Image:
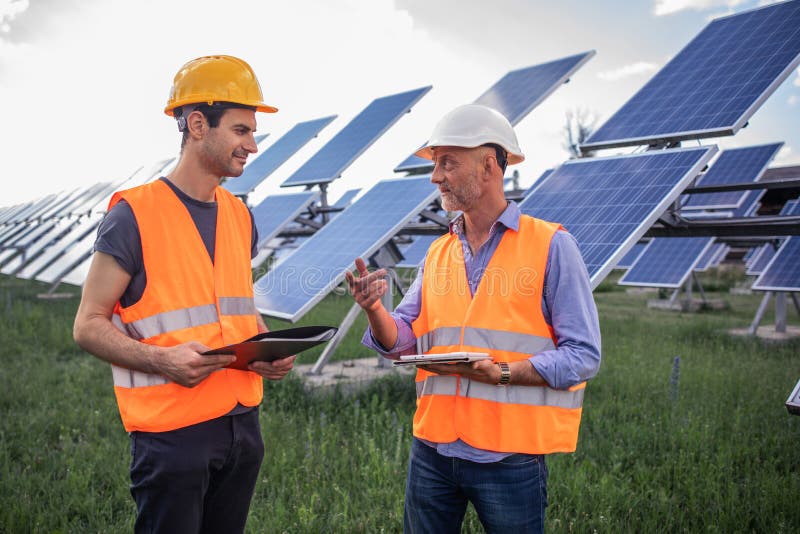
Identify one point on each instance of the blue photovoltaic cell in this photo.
(352, 140)
(709, 257)
(414, 253)
(715, 84)
(783, 272)
(517, 93)
(276, 155)
(292, 287)
(275, 211)
(733, 166)
(667, 262)
(632, 255)
(55, 251)
(609, 203)
(347, 198)
(767, 251)
(762, 259)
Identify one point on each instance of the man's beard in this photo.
(462, 197)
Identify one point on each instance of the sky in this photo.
(84, 82)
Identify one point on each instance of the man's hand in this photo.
(186, 365)
(274, 370)
(480, 371)
(367, 288)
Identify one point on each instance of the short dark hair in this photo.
(212, 112)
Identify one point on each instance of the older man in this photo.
(503, 283)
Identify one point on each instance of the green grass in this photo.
(713, 451)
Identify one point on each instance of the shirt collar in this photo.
(509, 219)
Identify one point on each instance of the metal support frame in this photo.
(385, 258)
(780, 310)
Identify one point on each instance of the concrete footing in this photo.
(768, 333)
(348, 376)
(686, 305)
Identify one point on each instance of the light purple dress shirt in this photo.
(567, 306)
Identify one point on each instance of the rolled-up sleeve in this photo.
(569, 307)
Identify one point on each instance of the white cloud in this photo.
(797, 78)
(668, 7)
(784, 156)
(9, 9)
(793, 100)
(626, 71)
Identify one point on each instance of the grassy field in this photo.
(704, 447)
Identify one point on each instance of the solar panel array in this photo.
(667, 262)
(609, 203)
(292, 287)
(352, 140)
(783, 272)
(517, 93)
(715, 84)
(414, 253)
(275, 211)
(733, 166)
(276, 155)
(632, 255)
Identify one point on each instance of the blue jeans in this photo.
(509, 495)
(199, 478)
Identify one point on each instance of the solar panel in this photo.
(414, 253)
(609, 203)
(517, 93)
(710, 256)
(352, 140)
(347, 198)
(667, 262)
(292, 287)
(272, 214)
(69, 258)
(54, 252)
(276, 155)
(714, 85)
(21, 246)
(733, 166)
(761, 260)
(782, 271)
(632, 255)
(61, 227)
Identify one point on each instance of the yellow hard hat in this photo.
(212, 79)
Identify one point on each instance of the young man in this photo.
(503, 283)
(171, 279)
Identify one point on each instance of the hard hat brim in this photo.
(260, 106)
(426, 152)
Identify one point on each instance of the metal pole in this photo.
(347, 322)
(760, 313)
(780, 312)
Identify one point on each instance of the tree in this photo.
(579, 126)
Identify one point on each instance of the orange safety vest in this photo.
(187, 298)
(503, 318)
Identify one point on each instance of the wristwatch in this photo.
(505, 374)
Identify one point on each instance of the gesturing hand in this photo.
(367, 288)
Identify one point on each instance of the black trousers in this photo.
(199, 478)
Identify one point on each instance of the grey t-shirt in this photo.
(118, 236)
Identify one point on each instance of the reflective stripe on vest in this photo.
(484, 337)
(528, 395)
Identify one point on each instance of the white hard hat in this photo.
(474, 125)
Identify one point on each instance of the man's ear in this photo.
(196, 124)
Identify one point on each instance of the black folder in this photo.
(277, 344)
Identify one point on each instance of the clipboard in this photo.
(447, 357)
(270, 346)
